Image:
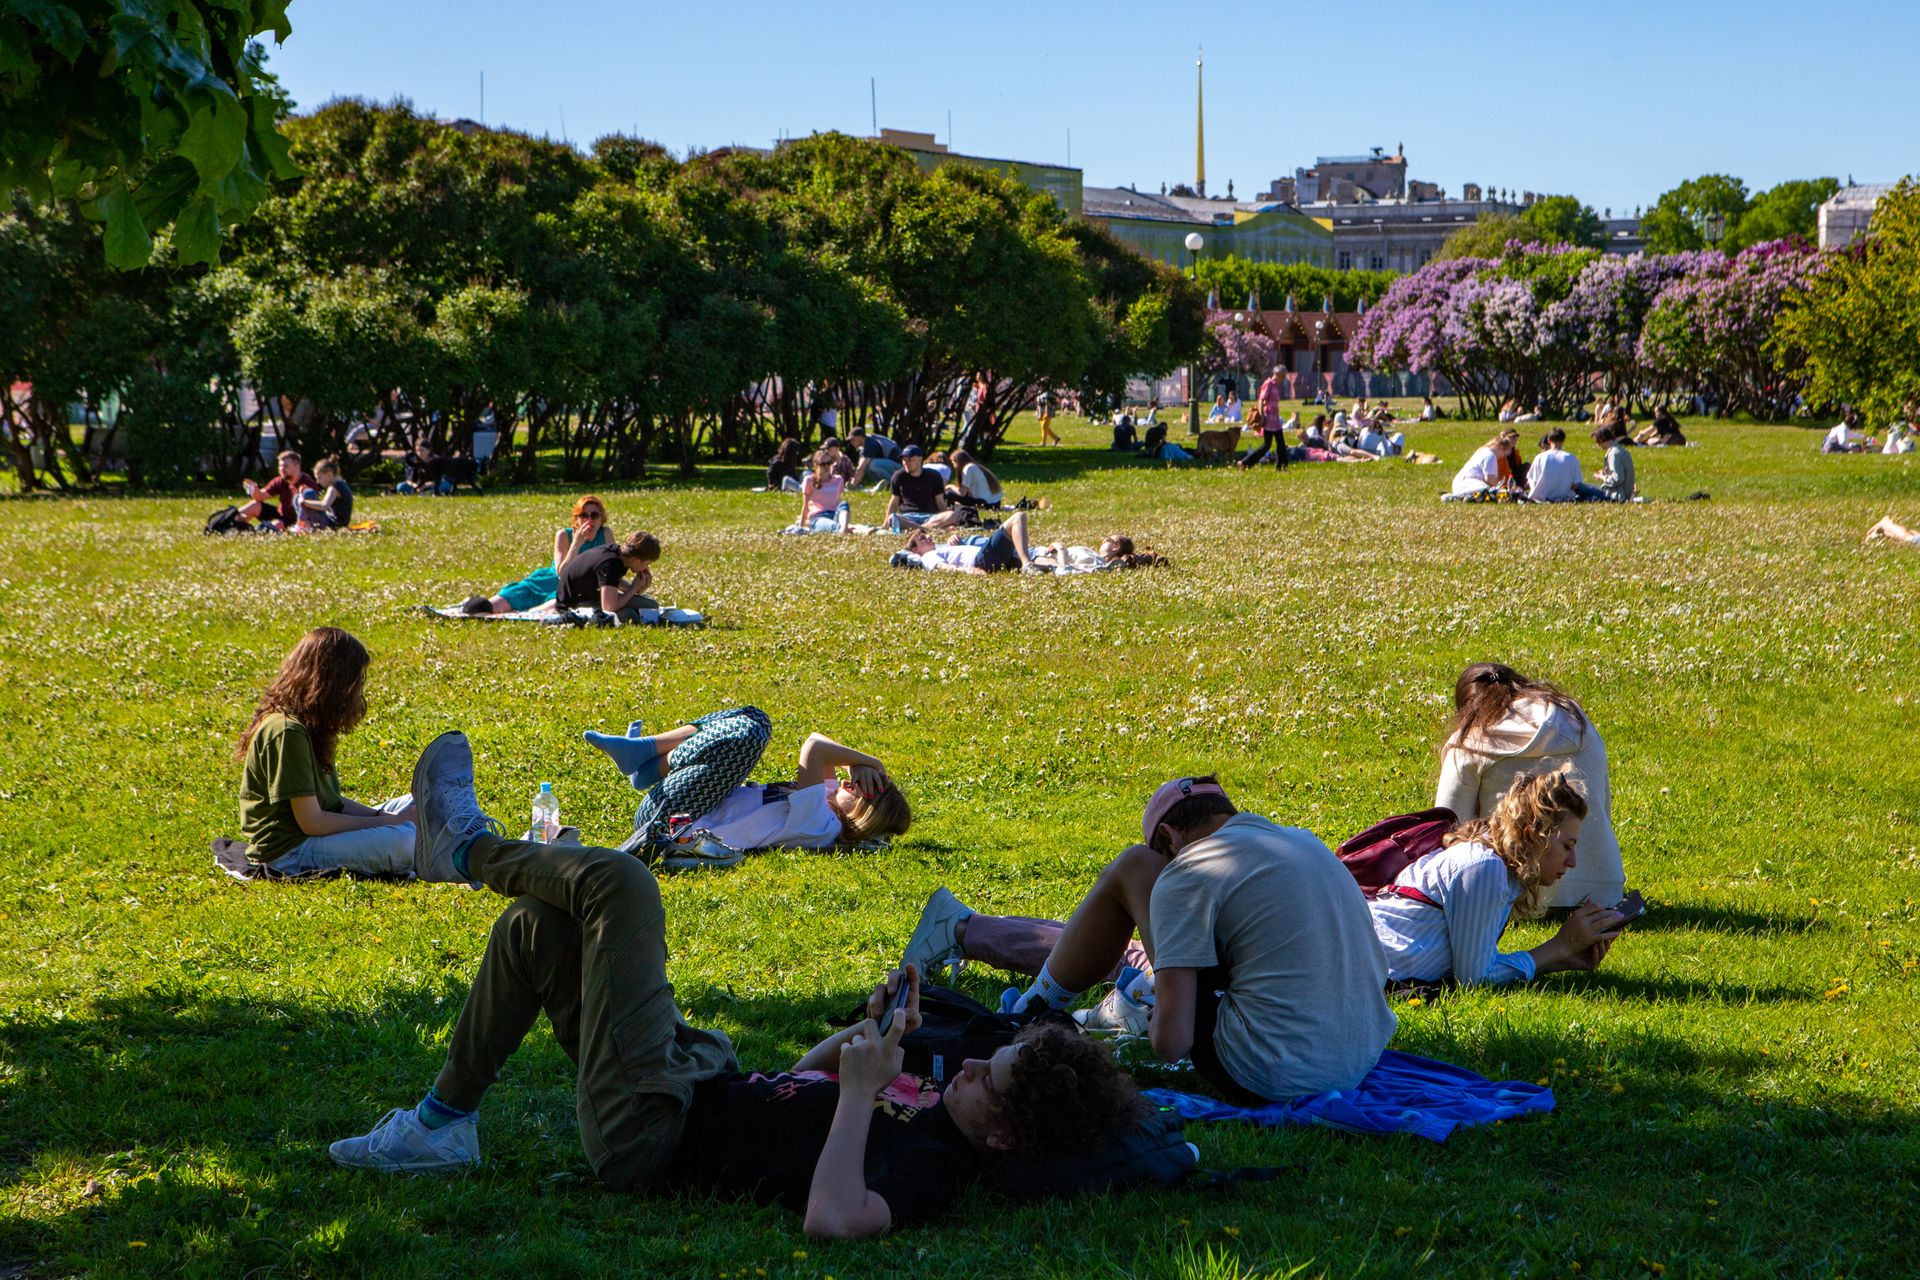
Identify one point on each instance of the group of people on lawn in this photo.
(1252, 949)
(296, 502)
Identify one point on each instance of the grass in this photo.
(1738, 1086)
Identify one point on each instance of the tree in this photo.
(1713, 330)
(1233, 280)
(1489, 236)
(1564, 220)
(1856, 330)
(1790, 209)
(153, 113)
(1678, 220)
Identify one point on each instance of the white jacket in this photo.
(1537, 736)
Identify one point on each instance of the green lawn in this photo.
(1738, 1087)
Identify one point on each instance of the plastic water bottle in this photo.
(546, 814)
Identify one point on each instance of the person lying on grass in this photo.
(293, 815)
(1115, 552)
(597, 579)
(695, 781)
(1265, 968)
(587, 531)
(1002, 551)
(1893, 530)
(841, 1136)
(1443, 915)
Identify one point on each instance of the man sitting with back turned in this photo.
(663, 1105)
(1266, 970)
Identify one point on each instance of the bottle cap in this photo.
(546, 786)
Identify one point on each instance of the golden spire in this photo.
(1200, 124)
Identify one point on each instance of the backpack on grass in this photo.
(1378, 855)
(226, 520)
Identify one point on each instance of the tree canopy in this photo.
(151, 114)
(1488, 237)
(1564, 220)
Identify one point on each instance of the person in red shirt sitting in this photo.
(276, 503)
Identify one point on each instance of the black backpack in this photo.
(226, 520)
(953, 1028)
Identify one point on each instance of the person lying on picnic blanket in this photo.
(841, 1136)
(700, 810)
(588, 530)
(293, 815)
(1265, 967)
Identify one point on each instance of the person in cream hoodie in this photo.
(1506, 725)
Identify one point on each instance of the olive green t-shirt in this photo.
(280, 765)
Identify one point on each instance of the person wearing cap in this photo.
(879, 456)
(1267, 971)
(919, 496)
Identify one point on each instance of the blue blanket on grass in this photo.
(1402, 1094)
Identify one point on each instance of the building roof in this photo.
(1865, 194)
(1124, 202)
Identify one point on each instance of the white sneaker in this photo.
(1117, 1011)
(401, 1144)
(935, 945)
(699, 850)
(446, 812)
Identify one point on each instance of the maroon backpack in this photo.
(1380, 853)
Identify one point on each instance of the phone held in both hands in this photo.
(898, 1003)
(1632, 907)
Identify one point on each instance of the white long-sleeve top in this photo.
(1461, 936)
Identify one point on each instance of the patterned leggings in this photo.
(702, 771)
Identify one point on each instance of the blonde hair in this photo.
(870, 817)
(1520, 826)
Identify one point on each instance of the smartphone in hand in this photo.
(900, 995)
(1633, 906)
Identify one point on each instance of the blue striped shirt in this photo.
(1461, 936)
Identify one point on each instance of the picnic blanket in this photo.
(1402, 1094)
(555, 617)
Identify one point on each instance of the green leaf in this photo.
(268, 138)
(271, 15)
(196, 233)
(127, 243)
(61, 26)
(213, 142)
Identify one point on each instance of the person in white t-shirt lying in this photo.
(695, 782)
(1003, 551)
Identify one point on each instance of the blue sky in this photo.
(1614, 103)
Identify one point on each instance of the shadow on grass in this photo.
(1662, 917)
(206, 1117)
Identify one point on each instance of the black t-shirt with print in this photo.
(582, 577)
(919, 493)
(761, 1135)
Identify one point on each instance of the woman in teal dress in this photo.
(588, 530)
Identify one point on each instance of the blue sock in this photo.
(460, 855)
(636, 756)
(435, 1114)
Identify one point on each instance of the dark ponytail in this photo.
(1486, 691)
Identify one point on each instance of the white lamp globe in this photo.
(1194, 241)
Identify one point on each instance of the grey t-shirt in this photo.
(1305, 1008)
(1620, 462)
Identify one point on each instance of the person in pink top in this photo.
(1270, 397)
(823, 506)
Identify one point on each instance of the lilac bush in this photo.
(1710, 329)
(1239, 348)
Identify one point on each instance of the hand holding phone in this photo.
(1631, 908)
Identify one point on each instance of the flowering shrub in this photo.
(1239, 348)
(1711, 328)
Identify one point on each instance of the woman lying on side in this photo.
(1444, 914)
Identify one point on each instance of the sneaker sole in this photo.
(420, 836)
(686, 862)
(380, 1167)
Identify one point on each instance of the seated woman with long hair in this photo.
(293, 815)
(1443, 915)
(973, 485)
(587, 531)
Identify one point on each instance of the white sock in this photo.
(1048, 991)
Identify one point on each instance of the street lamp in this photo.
(1716, 227)
(1195, 242)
